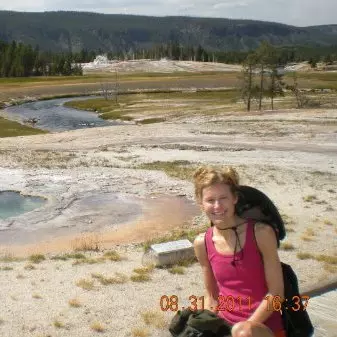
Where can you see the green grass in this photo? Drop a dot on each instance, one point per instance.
(177, 169)
(66, 257)
(106, 109)
(177, 270)
(220, 95)
(13, 129)
(152, 120)
(314, 80)
(37, 258)
(109, 109)
(89, 261)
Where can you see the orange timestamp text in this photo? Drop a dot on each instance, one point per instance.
(278, 303)
(225, 303)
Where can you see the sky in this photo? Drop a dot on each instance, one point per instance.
(292, 12)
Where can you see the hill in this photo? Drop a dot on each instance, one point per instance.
(74, 31)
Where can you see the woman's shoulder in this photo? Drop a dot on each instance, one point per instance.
(199, 239)
(263, 229)
(265, 236)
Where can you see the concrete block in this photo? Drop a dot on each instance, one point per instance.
(171, 252)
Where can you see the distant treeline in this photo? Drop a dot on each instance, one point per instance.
(175, 51)
(19, 60)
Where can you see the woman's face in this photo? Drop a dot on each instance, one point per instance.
(218, 203)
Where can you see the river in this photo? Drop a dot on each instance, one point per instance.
(53, 116)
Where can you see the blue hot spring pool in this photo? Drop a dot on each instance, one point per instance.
(13, 204)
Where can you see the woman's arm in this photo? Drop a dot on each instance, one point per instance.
(267, 244)
(211, 288)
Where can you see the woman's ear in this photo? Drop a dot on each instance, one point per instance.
(236, 199)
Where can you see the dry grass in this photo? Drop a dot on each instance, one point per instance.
(304, 256)
(8, 257)
(140, 332)
(330, 268)
(290, 229)
(287, 246)
(310, 232)
(97, 326)
(29, 267)
(309, 198)
(177, 270)
(140, 277)
(6, 268)
(113, 256)
(154, 318)
(37, 296)
(306, 238)
(328, 222)
(85, 284)
(36, 258)
(119, 278)
(326, 258)
(20, 276)
(58, 324)
(65, 257)
(74, 303)
(89, 261)
(144, 270)
(142, 273)
(86, 242)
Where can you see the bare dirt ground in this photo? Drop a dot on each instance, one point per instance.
(291, 155)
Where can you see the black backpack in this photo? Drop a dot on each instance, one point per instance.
(255, 205)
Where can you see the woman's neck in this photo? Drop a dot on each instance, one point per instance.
(223, 229)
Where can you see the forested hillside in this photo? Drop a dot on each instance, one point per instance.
(75, 31)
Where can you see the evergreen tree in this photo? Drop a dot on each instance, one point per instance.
(248, 90)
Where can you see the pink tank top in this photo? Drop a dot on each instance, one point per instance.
(242, 286)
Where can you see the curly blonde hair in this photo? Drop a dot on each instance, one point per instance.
(206, 176)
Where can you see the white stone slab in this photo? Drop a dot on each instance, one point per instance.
(169, 253)
(166, 247)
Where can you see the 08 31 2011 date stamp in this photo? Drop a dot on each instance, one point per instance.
(224, 303)
(172, 303)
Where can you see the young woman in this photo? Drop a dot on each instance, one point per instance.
(239, 260)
